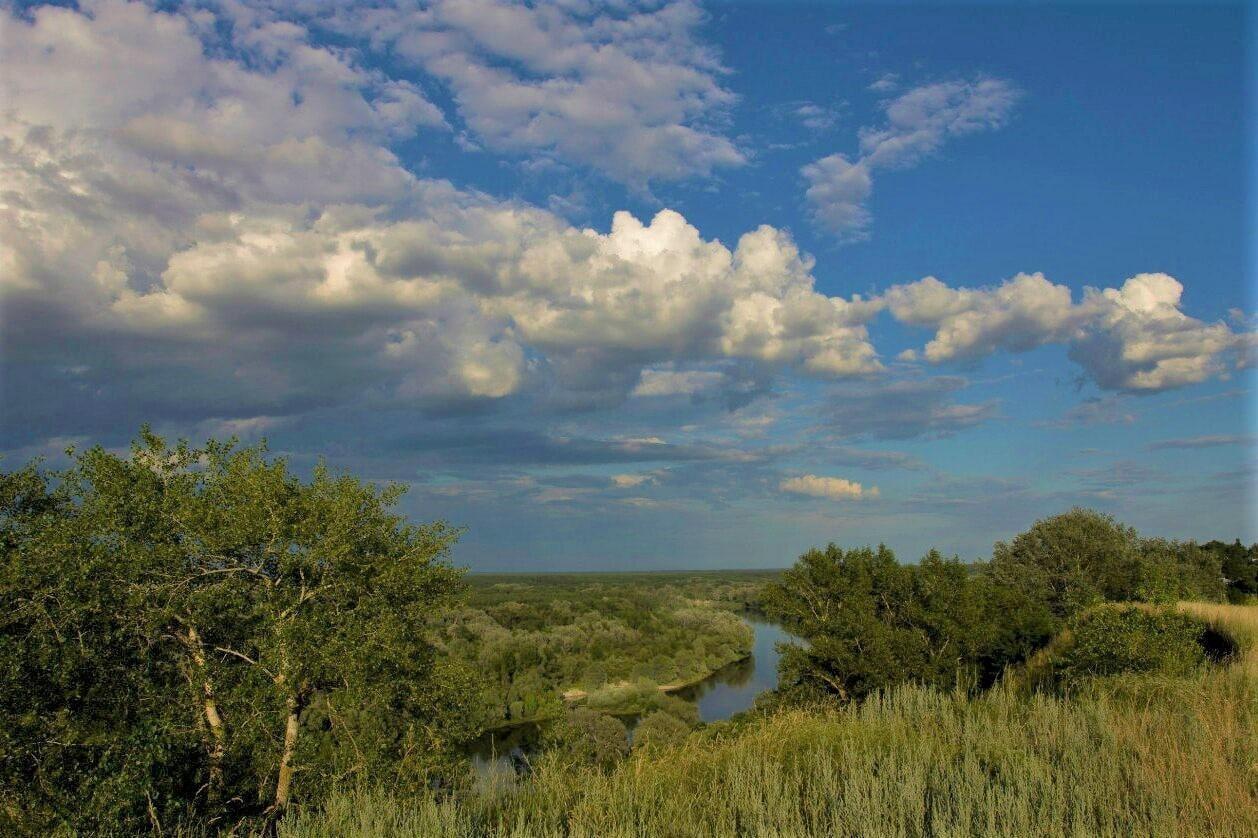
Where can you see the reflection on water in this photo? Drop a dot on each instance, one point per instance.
(506, 748)
(734, 688)
(731, 689)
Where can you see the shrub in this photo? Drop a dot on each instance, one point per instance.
(659, 730)
(1113, 641)
(588, 737)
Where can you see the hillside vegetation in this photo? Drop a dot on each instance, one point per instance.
(542, 641)
(199, 641)
(1128, 755)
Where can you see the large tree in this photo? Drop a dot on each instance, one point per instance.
(870, 622)
(1072, 560)
(1239, 566)
(212, 635)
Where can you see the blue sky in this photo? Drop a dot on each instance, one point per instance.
(644, 285)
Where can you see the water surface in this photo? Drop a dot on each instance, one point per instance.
(730, 690)
(733, 688)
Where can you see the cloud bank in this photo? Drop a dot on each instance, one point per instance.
(1135, 338)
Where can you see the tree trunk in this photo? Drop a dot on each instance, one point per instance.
(295, 703)
(216, 748)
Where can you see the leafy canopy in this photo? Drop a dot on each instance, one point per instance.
(211, 636)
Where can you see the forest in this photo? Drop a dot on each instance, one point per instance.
(198, 640)
(611, 640)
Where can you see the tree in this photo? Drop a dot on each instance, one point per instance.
(1239, 566)
(1070, 561)
(1175, 570)
(210, 628)
(659, 730)
(588, 737)
(870, 622)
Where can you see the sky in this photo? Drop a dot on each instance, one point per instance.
(640, 285)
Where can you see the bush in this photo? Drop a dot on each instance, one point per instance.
(659, 730)
(1113, 641)
(588, 737)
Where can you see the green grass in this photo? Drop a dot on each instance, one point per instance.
(1132, 756)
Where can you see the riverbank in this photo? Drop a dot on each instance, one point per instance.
(1135, 755)
(728, 690)
(576, 696)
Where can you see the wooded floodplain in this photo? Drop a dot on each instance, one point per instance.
(198, 640)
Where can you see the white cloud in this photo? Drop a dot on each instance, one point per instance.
(236, 231)
(918, 122)
(1019, 314)
(837, 192)
(830, 488)
(629, 481)
(1142, 342)
(815, 117)
(677, 382)
(626, 88)
(1134, 338)
(885, 83)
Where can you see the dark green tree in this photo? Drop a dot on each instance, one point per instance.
(870, 622)
(1175, 570)
(588, 737)
(1071, 561)
(1239, 565)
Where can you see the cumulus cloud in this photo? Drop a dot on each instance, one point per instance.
(918, 122)
(624, 88)
(1141, 341)
(1019, 314)
(213, 225)
(1134, 339)
(830, 488)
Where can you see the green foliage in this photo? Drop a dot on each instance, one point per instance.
(191, 637)
(1171, 571)
(870, 622)
(1134, 756)
(611, 639)
(1071, 561)
(197, 633)
(660, 730)
(1112, 640)
(1074, 560)
(587, 737)
(1239, 567)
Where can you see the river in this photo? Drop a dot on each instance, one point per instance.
(730, 690)
(733, 688)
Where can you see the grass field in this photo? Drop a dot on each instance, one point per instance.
(1130, 756)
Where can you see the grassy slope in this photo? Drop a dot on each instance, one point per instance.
(1138, 756)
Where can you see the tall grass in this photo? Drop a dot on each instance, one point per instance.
(1132, 756)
